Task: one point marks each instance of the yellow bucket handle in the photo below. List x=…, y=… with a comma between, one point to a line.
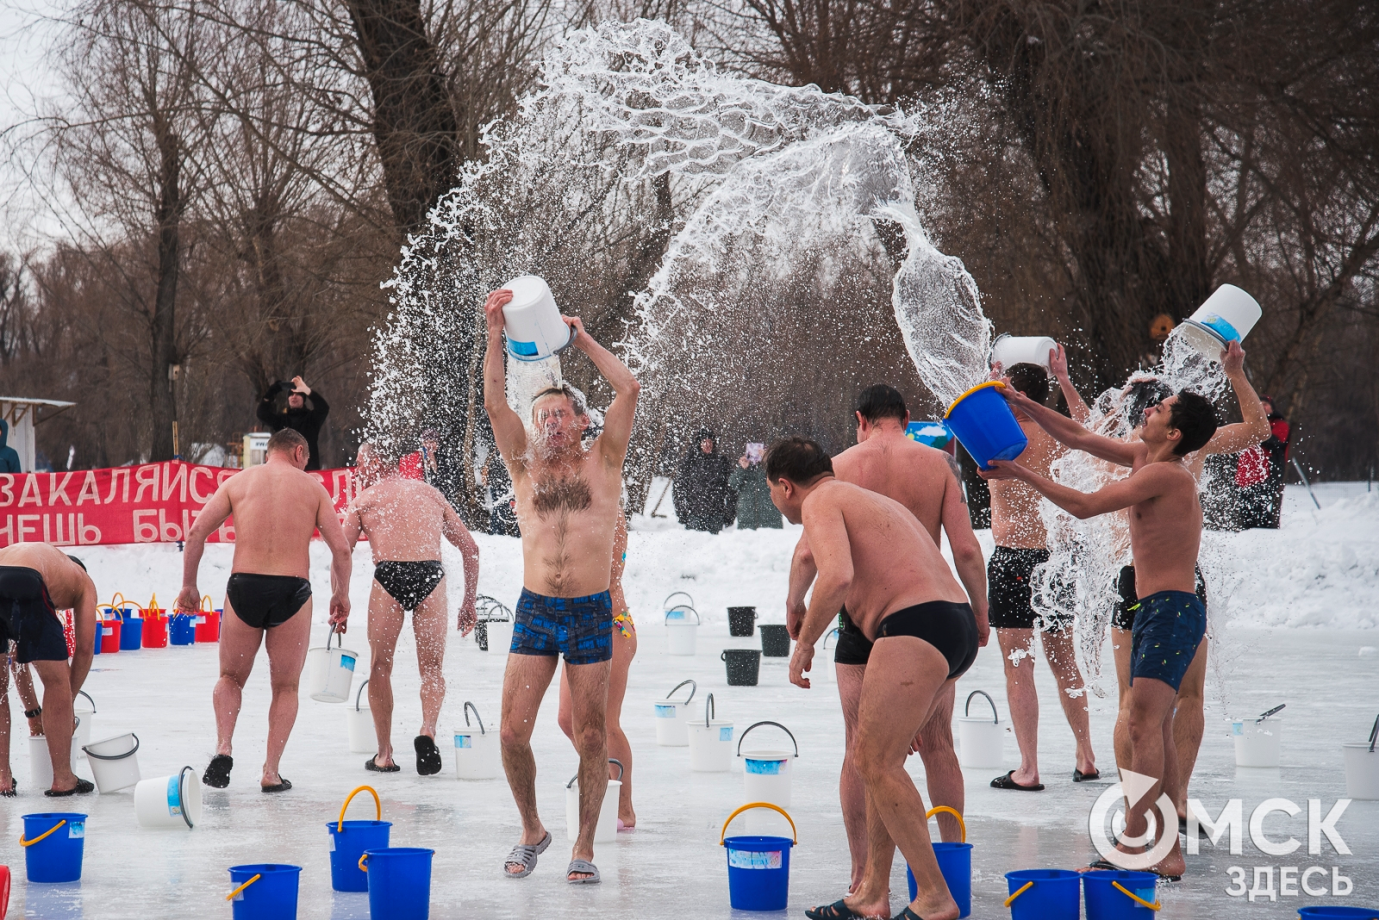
x=1021, y=890
x=120, y=605
x=724, y=836
x=29, y=843
x=207, y=604
x=362, y=867
x=962, y=825
x=1157, y=905
x=377, y=804
x=231, y=895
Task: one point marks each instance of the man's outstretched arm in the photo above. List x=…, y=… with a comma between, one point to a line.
x=1254, y=430
x=1070, y=432
x=508, y=431
x=1145, y=483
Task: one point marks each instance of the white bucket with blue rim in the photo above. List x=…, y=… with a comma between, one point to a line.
x=330, y=672
x=169, y=801
x=531, y=321
x=478, y=754
x=766, y=773
x=1227, y=316
x=672, y=717
x=711, y=742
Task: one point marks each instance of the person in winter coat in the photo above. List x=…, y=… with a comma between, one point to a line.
x=1260, y=471
x=9, y=457
x=703, y=500
x=305, y=421
x=439, y=467
x=748, y=480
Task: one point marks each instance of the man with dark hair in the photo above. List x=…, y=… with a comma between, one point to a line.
x=874, y=558
x=1165, y=536
x=926, y=481
x=296, y=415
x=276, y=507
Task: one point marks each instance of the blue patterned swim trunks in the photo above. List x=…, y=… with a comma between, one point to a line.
x=1168, y=628
x=580, y=628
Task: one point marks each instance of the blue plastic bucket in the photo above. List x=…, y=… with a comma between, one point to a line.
x=1053, y=894
x=758, y=867
x=271, y=896
x=347, y=845
x=1106, y=901
x=985, y=424
x=182, y=629
x=955, y=862
x=399, y=882
x=53, y=844
x=1337, y=912
x=132, y=635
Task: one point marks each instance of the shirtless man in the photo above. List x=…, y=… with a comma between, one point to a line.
x=1165, y=536
x=928, y=482
x=36, y=581
x=567, y=500
x=276, y=507
x=876, y=559
x=404, y=520
x=1021, y=546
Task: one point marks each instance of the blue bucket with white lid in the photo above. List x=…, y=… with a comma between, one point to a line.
x=758, y=865
x=766, y=774
x=954, y=864
x=53, y=843
x=1120, y=895
x=672, y=717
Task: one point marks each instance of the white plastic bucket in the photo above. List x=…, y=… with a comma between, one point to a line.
x=359, y=719
x=478, y=754
x=113, y=762
x=40, y=761
x=823, y=666
x=499, y=636
x=1227, y=316
x=981, y=742
x=680, y=632
x=672, y=717
x=606, y=831
x=711, y=742
x=1362, y=767
x=766, y=774
x=1257, y=743
x=86, y=717
x=1010, y=350
x=169, y=801
x=330, y=671
x=531, y=321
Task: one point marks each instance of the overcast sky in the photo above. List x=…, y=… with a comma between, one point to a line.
x=26, y=29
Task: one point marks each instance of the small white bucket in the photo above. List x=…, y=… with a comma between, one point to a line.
x=359, y=719
x=680, y=632
x=40, y=761
x=531, y=321
x=1227, y=316
x=711, y=742
x=499, y=636
x=86, y=717
x=606, y=831
x=113, y=762
x=981, y=742
x=478, y=754
x=766, y=774
x=1257, y=743
x=672, y=717
x=1362, y=767
x=1010, y=350
x=330, y=671
x=169, y=801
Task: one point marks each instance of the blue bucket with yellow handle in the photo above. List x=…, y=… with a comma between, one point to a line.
x=1336, y=912
x=1116, y=894
x=399, y=882
x=264, y=891
x=758, y=867
x=53, y=844
x=985, y=424
x=954, y=862
x=182, y=629
x=1044, y=894
x=349, y=840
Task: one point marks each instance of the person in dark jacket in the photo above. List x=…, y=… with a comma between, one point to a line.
x=748, y=480
x=1260, y=472
x=703, y=500
x=439, y=468
x=9, y=457
x=304, y=420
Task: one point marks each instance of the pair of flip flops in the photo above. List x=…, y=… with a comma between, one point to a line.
x=839, y=910
x=1107, y=865
x=524, y=855
x=1008, y=782
x=217, y=775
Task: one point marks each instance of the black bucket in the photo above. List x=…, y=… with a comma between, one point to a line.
x=743, y=666
x=775, y=640
x=742, y=621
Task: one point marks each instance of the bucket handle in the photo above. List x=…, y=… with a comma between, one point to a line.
x=835, y=631
x=182, y=792
x=362, y=867
x=1019, y=891
x=777, y=725
x=1374, y=734
x=29, y=843
x=694, y=687
x=1157, y=905
x=724, y=836
x=685, y=607
x=358, y=693
x=207, y=604
x=377, y=804
x=665, y=602
x=709, y=711
x=1266, y=715
x=996, y=716
x=91, y=753
x=470, y=706
x=962, y=825
x=331, y=635
x=88, y=697
x=254, y=878
x=574, y=778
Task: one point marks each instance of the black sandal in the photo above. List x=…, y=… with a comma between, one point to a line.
x=81, y=788
x=428, y=755
x=1080, y=777
x=838, y=910
x=283, y=786
x=1005, y=782
x=371, y=765
x=217, y=774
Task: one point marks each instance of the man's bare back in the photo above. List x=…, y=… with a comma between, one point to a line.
x=276, y=509
x=68, y=584
x=404, y=519
x=1015, y=519
x=919, y=477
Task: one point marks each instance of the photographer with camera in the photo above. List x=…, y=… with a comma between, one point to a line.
x=302, y=418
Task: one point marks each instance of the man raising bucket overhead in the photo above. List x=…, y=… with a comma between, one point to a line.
x=567, y=500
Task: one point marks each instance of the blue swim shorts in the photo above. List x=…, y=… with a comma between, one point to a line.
x=580, y=628
x=1168, y=628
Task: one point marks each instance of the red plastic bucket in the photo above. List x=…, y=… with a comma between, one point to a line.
x=110, y=635
x=208, y=625
x=155, y=629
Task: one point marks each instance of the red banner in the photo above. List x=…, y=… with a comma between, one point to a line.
x=149, y=503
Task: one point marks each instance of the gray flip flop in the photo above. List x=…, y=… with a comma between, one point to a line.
x=525, y=854
x=582, y=865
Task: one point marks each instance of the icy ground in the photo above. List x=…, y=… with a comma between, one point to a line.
x=1319, y=575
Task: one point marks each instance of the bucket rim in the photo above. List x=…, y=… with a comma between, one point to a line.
x=130, y=753
x=264, y=868
x=951, y=845
x=398, y=851
x=1045, y=875
x=753, y=842
x=968, y=392
x=1119, y=875
x=59, y=815
x=356, y=822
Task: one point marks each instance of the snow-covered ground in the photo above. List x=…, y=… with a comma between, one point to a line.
x=1300, y=631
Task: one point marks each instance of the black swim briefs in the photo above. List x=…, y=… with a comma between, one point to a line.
x=265, y=601
x=409, y=583
x=853, y=647
x=1124, y=615
x=1010, y=590
x=28, y=617
x=947, y=626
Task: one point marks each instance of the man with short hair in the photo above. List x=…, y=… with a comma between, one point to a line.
x=276, y=507
x=404, y=521
x=875, y=559
x=36, y=581
x=1165, y=536
x=928, y=483
x=567, y=499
